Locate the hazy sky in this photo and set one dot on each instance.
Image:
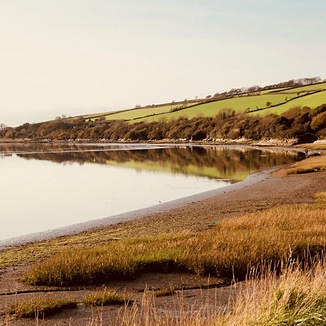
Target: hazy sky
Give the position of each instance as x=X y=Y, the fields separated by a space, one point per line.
x=82 y=56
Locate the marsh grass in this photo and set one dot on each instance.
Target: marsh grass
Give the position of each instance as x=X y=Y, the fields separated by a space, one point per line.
x=311 y=164
x=40 y=307
x=105 y=298
x=228 y=250
x=294 y=297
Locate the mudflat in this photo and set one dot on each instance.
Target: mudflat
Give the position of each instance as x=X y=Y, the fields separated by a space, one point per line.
x=273 y=190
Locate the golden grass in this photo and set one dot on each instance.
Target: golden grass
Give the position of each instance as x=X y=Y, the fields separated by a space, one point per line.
x=228 y=250
x=311 y=164
x=40 y=307
x=105 y=298
x=295 y=297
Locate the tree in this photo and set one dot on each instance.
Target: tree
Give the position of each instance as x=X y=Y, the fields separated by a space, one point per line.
x=319 y=122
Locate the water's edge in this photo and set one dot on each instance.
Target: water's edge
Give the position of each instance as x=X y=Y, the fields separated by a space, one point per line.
x=132 y=215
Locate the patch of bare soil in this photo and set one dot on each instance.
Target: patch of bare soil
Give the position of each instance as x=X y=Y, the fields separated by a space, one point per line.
x=192 y=290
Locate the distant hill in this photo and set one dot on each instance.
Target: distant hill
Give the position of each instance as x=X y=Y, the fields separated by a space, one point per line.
x=290 y=112
x=255 y=100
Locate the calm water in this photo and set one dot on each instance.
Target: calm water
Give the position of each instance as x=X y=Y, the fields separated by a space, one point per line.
x=45 y=187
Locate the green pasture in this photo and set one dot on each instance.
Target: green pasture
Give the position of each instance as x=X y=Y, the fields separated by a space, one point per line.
x=141 y=112
x=238 y=104
x=251 y=104
x=308 y=88
x=295 y=90
x=100 y=114
x=276 y=98
x=138 y=113
x=312 y=101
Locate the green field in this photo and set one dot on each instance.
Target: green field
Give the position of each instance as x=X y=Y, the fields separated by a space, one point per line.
x=138 y=113
x=312 y=101
x=265 y=102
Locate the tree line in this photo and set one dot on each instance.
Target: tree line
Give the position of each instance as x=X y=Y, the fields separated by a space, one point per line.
x=304 y=124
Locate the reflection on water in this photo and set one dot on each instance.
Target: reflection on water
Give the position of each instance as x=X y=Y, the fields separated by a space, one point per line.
x=47 y=186
x=211 y=161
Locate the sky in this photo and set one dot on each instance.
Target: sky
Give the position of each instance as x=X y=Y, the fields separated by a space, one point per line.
x=71 y=57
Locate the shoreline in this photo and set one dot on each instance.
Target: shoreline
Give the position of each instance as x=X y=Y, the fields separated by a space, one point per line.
x=272 y=189
x=134 y=215
x=148 y=212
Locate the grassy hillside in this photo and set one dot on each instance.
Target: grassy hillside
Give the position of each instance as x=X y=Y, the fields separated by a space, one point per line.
x=138 y=113
x=261 y=102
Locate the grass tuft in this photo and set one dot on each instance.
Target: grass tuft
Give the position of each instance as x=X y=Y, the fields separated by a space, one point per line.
x=41 y=307
x=105 y=298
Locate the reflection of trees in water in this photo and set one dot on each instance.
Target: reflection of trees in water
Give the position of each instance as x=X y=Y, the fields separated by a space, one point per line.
x=33 y=147
x=187 y=160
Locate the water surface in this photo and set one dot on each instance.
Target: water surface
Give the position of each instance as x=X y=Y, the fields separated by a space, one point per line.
x=47 y=186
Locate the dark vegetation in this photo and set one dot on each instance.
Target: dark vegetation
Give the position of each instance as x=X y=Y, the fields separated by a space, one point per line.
x=304 y=124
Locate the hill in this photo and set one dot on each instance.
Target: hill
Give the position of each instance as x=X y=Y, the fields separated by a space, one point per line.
x=259 y=101
x=290 y=111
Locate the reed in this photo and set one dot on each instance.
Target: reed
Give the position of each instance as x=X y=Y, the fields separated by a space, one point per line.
x=294 y=297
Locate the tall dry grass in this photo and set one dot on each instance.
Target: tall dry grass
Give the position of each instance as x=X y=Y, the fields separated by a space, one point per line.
x=296 y=296
x=228 y=250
